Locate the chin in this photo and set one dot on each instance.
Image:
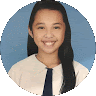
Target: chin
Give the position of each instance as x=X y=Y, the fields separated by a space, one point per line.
x=49 y=51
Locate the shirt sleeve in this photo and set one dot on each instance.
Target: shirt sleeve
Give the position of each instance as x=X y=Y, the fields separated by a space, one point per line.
x=81 y=74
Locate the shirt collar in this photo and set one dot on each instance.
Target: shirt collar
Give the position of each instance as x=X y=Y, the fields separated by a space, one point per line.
x=39 y=66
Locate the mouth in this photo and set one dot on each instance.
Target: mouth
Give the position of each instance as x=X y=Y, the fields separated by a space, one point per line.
x=49 y=44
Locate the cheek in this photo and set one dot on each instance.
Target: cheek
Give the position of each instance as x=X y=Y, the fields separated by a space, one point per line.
x=61 y=36
x=37 y=38
x=36 y=33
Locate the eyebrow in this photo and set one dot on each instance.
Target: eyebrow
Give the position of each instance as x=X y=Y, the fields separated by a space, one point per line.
x=44 y=23
x=57 y=23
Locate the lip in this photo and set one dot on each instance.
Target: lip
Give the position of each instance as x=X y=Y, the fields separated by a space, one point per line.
x=49 y=46
x=48 y=41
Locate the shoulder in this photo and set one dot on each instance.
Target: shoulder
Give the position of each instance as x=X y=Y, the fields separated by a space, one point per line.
x=24 y=64
x=80 y=72
x=78 y=67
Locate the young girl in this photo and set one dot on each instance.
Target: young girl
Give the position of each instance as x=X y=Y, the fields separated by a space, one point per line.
x=49 y=45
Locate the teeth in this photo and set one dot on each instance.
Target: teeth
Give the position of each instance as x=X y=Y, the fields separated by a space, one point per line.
x=49 y=43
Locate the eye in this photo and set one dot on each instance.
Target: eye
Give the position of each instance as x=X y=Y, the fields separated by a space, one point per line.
x=57 y=27
x=40 y=27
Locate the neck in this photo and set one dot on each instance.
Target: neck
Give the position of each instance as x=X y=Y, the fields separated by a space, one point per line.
x=50 y=60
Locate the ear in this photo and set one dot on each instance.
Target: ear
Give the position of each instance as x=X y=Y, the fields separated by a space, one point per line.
x=30 y=32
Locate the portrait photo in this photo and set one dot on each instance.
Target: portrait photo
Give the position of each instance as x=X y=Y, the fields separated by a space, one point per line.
x=48 y=48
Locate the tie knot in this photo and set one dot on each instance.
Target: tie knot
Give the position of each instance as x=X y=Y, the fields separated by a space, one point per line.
x=49 y=68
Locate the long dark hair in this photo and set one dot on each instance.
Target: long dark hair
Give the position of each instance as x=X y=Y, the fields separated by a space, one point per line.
x=65 y=51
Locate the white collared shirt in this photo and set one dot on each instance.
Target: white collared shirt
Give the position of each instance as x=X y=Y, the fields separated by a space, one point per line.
x=30 y=75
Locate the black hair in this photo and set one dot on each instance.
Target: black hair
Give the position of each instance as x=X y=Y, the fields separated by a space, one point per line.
x=65 y=51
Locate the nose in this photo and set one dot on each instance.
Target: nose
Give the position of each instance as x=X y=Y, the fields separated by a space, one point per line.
x=48 y=34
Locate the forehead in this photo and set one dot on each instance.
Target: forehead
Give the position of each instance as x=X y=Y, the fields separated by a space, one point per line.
x=47 y=14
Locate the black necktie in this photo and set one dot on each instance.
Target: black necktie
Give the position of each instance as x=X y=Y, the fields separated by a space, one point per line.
x=47 y=91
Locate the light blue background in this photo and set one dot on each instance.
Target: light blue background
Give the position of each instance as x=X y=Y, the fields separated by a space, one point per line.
x=14 y=37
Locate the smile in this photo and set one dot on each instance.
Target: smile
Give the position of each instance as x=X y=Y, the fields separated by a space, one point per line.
x=49 y=44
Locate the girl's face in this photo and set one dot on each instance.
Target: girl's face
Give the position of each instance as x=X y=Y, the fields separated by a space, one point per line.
x=48 y=30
